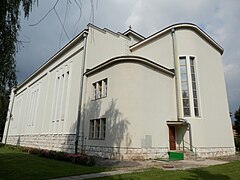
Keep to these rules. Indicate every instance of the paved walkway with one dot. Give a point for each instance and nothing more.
(124, 167)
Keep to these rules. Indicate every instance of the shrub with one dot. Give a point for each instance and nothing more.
(81, 159)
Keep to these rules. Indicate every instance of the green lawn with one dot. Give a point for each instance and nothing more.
(18, 165)
(219, 172)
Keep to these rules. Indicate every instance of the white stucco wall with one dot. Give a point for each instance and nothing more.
(213, 128)
(140, 99)
(103, 45)
(139, 102)
(26, 120)
(159, 50)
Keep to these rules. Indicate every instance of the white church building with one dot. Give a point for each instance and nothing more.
(121, 95)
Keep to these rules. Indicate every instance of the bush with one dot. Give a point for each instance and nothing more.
(81, 159)
(237, 143)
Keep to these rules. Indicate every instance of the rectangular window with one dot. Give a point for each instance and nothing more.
(189, 90)
(184, 86)
(97, 128)
(99, 89)
(194, 86)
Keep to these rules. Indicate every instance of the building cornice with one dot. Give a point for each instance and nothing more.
(129, 59)
(168, 29)
(55, 57)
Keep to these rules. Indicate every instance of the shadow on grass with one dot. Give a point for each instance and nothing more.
(18, 165)
(203, 174)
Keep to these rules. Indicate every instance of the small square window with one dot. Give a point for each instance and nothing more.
(100, 89)
(97, 129)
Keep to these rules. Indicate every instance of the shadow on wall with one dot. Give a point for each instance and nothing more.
(116, 130)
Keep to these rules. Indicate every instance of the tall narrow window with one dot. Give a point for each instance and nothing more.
(91, 129)
(94, 90)
(105, 88)
(189, 87)
(99, 89)
(60, 95)
(184, 86)
(194, 86)
(64, 98)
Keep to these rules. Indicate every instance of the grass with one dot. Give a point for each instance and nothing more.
(218, 172)
(18, 165)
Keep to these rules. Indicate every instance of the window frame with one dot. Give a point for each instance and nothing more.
(99, 89)
(191, 81)
(97, 129)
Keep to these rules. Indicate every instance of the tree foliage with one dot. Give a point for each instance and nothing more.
(9, 28)
(237, 121)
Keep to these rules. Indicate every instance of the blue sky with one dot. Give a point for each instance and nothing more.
(219, 18)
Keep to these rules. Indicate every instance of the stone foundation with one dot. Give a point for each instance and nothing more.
(206, 152)
(56, 142)
(66, 143)
(126, 152)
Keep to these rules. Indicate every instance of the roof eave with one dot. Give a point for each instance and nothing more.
(129, 59)
(61, 52)
(180, 26)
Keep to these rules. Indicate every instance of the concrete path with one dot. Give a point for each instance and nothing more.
(94, 175)
(124, 167)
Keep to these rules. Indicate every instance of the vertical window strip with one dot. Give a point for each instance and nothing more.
(64, 95)
(56, 97)
(59, 101)
(32, 106)
(35, 104)
(194, 86)
(105, 88)
(184, 86)
(103, 128)
(60, 96)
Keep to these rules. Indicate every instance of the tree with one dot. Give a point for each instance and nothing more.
(237, 121)
(237, 128)
(10, 26)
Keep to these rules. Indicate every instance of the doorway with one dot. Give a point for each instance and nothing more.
(172, 138)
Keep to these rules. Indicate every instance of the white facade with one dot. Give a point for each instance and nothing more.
(126, 96)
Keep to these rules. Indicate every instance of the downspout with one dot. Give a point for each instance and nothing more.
(178, 94)
(177, 82)
(190, 136)
(9, 116)
(79, 116)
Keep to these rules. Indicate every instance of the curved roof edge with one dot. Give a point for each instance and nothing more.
(122, 59)
(181, 26)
